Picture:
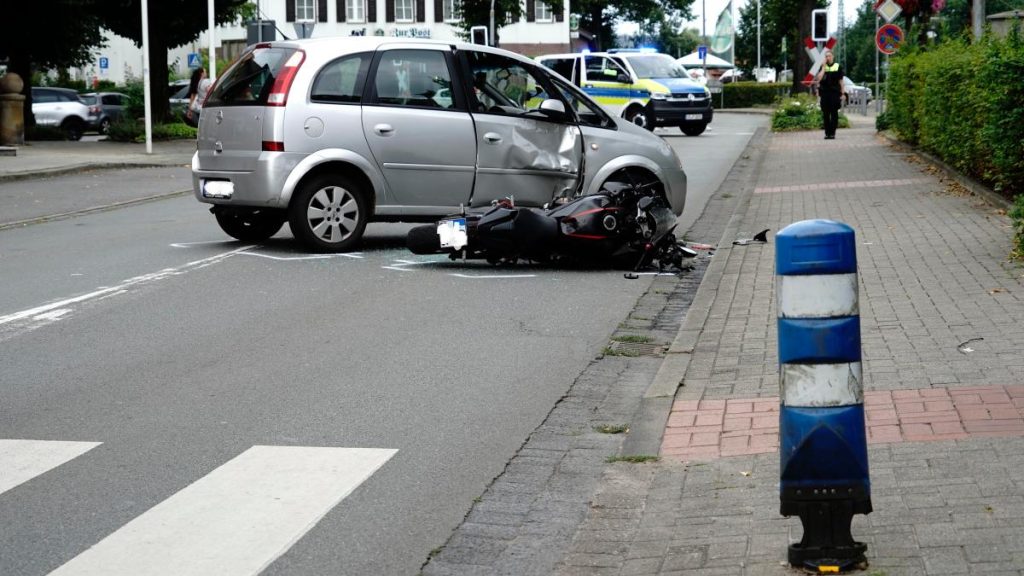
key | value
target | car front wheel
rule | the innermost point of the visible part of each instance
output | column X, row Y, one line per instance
column 639, row 117
column 329, row 213
column 693, row 129
column 249, row 224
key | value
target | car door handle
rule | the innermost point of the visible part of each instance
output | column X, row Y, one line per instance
column 384, row 129
column 492, row 137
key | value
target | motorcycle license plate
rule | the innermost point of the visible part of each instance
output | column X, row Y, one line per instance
column 453, row 233
column 694, row 116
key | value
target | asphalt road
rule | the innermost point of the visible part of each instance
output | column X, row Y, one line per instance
column 163, row 386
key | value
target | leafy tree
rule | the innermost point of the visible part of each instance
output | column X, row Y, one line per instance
column 666, row 37
column 171, row 23
column 27, row 48
column 478, row 13
column 600, row 16
column 789, row 19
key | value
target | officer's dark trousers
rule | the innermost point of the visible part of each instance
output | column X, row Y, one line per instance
column 830, row 114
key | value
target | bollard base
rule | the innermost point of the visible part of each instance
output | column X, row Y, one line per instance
column 829, row 560
column 827, row 544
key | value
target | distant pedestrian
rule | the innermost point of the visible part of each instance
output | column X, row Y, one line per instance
column 831, row 90
column 198, row 87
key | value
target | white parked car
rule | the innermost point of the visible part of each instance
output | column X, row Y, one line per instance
column 60, row 108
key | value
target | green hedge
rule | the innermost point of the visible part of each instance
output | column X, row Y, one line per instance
column 965, row 104
column 801, row 113
column 128, row 130
column 750, row 94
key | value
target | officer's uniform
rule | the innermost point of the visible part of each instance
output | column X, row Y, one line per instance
column 831, row 90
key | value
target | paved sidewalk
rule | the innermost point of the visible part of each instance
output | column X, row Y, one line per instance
column 37, row 159
column 942, row 315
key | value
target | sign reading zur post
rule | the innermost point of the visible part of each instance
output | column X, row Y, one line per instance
column 889, row 38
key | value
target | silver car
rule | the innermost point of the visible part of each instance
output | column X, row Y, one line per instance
column 60, row 108
column 329, row 134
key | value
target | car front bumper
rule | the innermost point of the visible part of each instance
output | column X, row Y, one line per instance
column 676, row 111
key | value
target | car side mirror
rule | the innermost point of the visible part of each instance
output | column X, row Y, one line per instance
column 553, row 109
column 623, row 79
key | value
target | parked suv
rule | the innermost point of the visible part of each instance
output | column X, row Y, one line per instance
column 328, row 134
column 62, row 108
column 647, row 89
column 104, row 108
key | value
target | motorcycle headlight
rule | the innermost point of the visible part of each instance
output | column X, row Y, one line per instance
column 660, row 95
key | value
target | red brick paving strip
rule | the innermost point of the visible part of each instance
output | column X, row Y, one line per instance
column 842, row 185
column 708, row 429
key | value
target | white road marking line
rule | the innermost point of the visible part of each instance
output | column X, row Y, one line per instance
column 120, row 288
column 54, row 315
column 397, row 268
column 290, row 258
column 489, row 276
column 187, row 244
column 235, row 520
column 22, row 460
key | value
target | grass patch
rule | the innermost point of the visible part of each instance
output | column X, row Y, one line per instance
column 612, row 429
column 609, row 351
column 639, row 459
column 634, row 338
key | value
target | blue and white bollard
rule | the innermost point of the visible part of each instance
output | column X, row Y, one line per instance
column 823, row 444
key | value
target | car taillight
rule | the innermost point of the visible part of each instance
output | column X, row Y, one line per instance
column 94, row 109
column 272, row 146
column 279, row 91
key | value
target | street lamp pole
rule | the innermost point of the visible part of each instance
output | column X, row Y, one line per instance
column 212, row 72
column 758, row 35
column 147, row 91
column 490, row 30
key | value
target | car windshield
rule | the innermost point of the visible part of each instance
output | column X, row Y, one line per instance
column 657, row 66
column 89, row 99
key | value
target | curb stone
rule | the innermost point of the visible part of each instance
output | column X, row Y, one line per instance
column 656, row 404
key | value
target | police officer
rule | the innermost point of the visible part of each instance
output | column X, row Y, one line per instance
column 831, row 89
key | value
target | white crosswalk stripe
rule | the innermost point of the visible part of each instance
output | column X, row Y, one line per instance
column 235, row 520
column 22, row 460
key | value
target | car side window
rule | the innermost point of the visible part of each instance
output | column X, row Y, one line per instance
column 112, row 100
column 414, row 78
column 588, row 112
column 43, row 96
column 341, row 80
column 503, row 85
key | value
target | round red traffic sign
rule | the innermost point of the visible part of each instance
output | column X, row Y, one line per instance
column 889, row 38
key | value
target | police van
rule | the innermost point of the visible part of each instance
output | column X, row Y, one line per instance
column 646, row 88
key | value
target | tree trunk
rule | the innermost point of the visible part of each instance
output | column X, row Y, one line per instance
column 802, row 62
column 597, row 22
column 159, row 105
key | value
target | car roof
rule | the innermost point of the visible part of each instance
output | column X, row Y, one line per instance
column 374, row 42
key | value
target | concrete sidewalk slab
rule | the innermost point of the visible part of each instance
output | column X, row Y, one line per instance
column 37, row 159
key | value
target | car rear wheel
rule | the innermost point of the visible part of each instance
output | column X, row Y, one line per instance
column 73, row 128
column 249, row 224
column 105, row 126
column 329, row 213
column 693, row 129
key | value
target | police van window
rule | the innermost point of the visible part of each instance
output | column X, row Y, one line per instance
column 417, row 78
column 502, row 85
column 564, row 66
column 602, row 68
column 341, row 80
column 589, row 113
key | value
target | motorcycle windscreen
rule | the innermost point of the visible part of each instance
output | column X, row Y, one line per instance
column 531, row 160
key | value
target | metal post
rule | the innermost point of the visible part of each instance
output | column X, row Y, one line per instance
column 878, row 87
column 978, row 19
column 147, row 92
column 822, row 438
column 259, row 22
column 212, row 72
column 758, row 37
column 490, row 30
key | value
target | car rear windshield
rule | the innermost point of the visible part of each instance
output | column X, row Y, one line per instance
column 248, row 81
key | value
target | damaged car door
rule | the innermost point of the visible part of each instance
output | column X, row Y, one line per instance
column 526, row 149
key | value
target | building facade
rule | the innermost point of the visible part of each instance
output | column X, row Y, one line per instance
column 541, row 31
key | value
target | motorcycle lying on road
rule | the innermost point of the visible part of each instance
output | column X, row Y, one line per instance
column 625, row 225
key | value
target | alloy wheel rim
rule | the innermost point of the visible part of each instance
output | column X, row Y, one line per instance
column 332, row 214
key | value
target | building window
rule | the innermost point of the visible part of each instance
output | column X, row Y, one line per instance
column 451, row 10
column 305, row 10
column 404, row 11
column 543, row 12
column 355, row 10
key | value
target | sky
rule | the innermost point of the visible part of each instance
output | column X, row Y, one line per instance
column 714, row 7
